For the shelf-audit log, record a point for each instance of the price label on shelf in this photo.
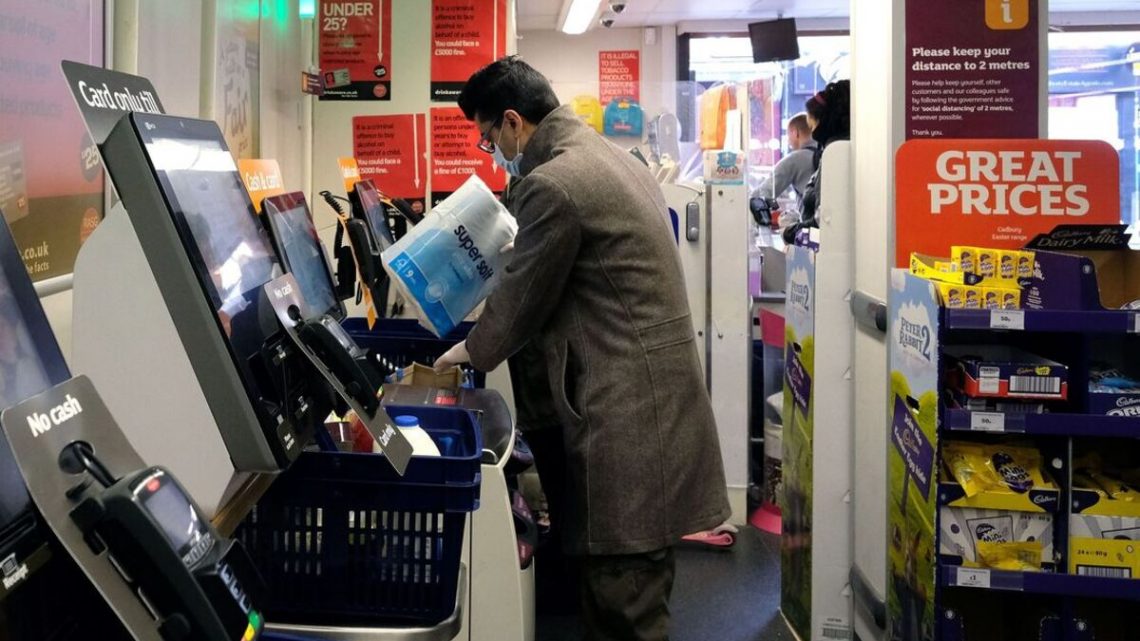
(1007, 319)
(987, 422)
(973, 578)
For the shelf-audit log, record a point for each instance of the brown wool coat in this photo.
(595, 280)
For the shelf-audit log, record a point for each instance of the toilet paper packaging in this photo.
(448, 263)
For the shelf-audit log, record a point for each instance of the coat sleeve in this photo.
(532, 283)
(775, 185)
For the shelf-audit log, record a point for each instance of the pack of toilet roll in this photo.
(449, 263)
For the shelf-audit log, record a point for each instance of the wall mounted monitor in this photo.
(301, 252)
(774, 40)
(30, 363)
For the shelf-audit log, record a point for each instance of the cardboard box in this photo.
(418, 375)
(1085, 267)
(1104, 536)
(1119, 399)
(1001, 371)
(962, 529)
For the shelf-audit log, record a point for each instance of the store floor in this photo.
(727, 596)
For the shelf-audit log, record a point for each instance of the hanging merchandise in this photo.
(715, 105)
(450, 262)
(623, 118)
(589, 109)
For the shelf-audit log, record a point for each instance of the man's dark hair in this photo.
(507, 83)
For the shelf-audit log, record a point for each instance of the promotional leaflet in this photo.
(356, 37)
(391, 151)
(619, 75)
(13, 182)
(972, 69)
(799, 368)
(913, 339)
(51, 182)
(455, 155)
(999, 194)
(466, 35)
(237, 76)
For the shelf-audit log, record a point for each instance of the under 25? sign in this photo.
(999, 193)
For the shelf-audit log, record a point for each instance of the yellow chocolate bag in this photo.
(1024, 556)
(967, 463)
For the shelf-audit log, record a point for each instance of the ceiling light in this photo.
(578, 15)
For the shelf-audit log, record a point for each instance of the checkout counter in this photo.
(177, 326)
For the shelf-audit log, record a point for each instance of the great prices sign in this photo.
(999, 193)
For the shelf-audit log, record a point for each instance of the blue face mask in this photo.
(513, 167)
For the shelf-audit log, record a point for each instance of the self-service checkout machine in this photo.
(43, 593)
(171, 293)
(188, 237)
(96, 540)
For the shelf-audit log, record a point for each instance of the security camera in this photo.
(606, 21)
(617, 7)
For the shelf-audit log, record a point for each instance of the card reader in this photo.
(197, 585)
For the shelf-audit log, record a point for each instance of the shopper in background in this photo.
(829, 114)
(793, 171)
(596, 281)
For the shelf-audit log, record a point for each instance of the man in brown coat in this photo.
(595, 280)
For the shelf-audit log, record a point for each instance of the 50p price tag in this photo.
(1007, 319)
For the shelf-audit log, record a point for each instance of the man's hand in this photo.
(454, 356)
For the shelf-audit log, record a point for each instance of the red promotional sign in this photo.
(972, 68)
(465, 36)
(391, 151)
(455, 155)
(619, 75)
(356, 37)
(999, 193)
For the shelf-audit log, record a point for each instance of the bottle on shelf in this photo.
(422, 443)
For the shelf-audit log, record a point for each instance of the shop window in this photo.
(1094, 94)
(767, 93)
(1094, 84)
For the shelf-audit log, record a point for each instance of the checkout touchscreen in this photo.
(30, 362)
(230, 251)
(374, 212)
(301, 252)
